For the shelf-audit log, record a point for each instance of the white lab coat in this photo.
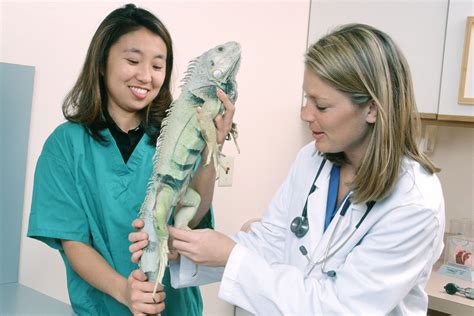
(381, 270)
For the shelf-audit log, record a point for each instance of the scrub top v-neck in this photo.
(84, 191)
(126, 141)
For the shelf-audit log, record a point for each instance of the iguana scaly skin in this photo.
(184, 134)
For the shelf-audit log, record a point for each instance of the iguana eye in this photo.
(212, 63)
(220, 48)
(217, 73)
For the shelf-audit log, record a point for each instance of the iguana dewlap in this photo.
(184, 135)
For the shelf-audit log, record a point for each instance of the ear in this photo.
(371, 112)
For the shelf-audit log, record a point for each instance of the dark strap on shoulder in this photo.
(313, 187)
(370, 204)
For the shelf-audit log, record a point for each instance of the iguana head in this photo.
(216, 68)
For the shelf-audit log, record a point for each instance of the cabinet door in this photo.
(418, 27)
(449, 108)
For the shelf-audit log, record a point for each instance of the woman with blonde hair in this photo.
(358, 223)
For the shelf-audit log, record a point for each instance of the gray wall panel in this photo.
(16, 92)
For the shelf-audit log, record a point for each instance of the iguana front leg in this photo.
(205, 119)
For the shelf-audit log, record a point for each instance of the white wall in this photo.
(54, 36)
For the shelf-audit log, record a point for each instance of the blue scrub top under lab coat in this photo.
(84, 191)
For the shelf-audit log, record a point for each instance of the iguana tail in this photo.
(163, 252)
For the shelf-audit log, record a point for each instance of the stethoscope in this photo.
(300, 226)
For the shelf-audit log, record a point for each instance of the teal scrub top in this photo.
(84, 191)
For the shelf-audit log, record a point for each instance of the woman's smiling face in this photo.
(135, 71)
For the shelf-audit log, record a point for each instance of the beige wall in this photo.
(454, 154)
(53, 36)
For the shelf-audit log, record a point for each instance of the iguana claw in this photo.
(234, 134)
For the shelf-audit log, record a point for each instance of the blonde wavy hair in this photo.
(365, 64)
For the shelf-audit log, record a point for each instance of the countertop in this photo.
(17, 299)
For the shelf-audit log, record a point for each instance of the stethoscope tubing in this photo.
(342, 214)
(300, 231)
(313, 188)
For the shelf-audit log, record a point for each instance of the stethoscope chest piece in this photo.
(300, 226)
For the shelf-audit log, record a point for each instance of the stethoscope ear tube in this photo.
(369, 204)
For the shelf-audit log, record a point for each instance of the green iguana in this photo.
(184, 134)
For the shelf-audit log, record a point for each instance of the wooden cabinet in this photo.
(430, 34)
(449, 108)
